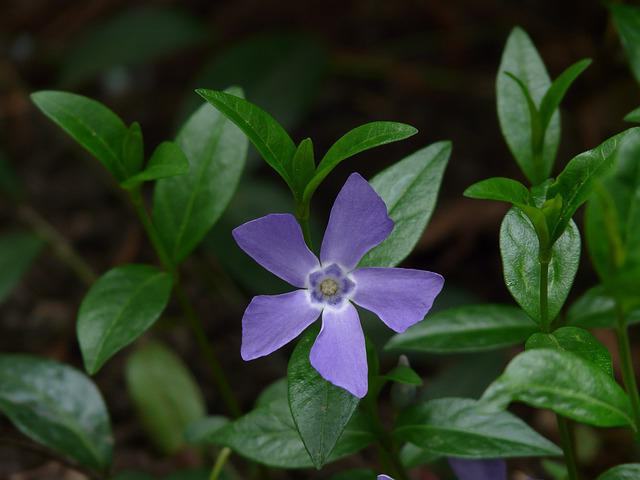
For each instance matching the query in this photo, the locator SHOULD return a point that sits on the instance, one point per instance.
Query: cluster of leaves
(302, 420)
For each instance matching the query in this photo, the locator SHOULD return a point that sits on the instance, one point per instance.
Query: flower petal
(275, 242)
(358, 222)
(401, 297)
(384, 477)
(271, 321)
(339, 353)
(478, 469)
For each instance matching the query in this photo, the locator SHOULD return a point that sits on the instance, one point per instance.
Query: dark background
(321, 68)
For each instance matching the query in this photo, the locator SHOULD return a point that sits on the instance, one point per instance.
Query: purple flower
(478, 469)
(358, 222)
(384, 477)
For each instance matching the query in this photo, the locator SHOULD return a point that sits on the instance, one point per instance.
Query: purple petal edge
(466, 469)
(339, 352)
(275, 241)
(401, 297)
(271, 321)
(357, 223)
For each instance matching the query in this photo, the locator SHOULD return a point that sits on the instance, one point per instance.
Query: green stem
(566, 438)
(58, 243)
(564, 426)
(545, 323)
(220, 461)
(626, 364)
(302, 215)
(195, 323)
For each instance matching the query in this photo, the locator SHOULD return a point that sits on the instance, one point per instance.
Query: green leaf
(519, 250)
(165, 394)
(364, 137)
(500, 189)
(629, 471)
(17, 252)
(167, 160)
(266, 134)
(576, 182)
(187, 206)
(466, 328)
(633, 116)
(412, 456)
(278, 391)
(303, 166)
(268, 435)
(596, 309)
(405, 375)
(57, 406)
(320, 410)
(409, 189)
(521, 59)
(89, 123)
(199, 431)
(457, 427)
(552, 98)
(136, 36)
(612, 217)
(627, 20)
(577, 341)
(124, 303)
(133, 148)
(562, 382)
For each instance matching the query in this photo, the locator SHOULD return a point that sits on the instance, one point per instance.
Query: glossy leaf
(364, 137)
(302, 166)
(135, 36)
(266, 134)
(268, 435)
(199, 431)
(629, 471)
(133, 148)
(89, 123)
(165, 394)
(167, 160)
(552, 98)
(466, 328)
(596, 309)
(612, 217)
(186, 207)
(457, 427)
(562, 382)
(633, 116)
(576, 182)
(405, 375)
(500, 189)
(577, 341)
(409, 189)
(519, 250)
(627, 21)
(17, 252)
(124, 303)
(413, 456)
(320, 410)
(57, 406)
(521, 59)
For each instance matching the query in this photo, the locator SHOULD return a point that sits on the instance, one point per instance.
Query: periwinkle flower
(467, 469)
(328, 286)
